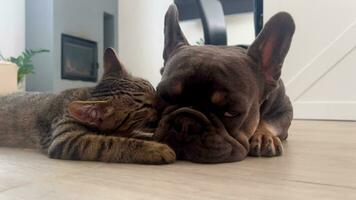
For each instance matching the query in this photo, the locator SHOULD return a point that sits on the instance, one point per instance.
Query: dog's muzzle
(188, 124)
(195, 136)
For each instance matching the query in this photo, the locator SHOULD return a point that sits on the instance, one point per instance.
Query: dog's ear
(173, 35)
(272, 44)
(112, 65)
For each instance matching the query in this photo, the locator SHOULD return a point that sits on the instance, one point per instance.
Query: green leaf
(24, 62)
(200, 42)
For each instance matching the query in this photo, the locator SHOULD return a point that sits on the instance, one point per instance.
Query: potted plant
(24, 64)
(8, 77)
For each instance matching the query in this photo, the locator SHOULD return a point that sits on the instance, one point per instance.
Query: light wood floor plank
(319, 163)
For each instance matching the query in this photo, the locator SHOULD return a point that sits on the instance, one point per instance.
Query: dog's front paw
(157, 153)
(264, 143)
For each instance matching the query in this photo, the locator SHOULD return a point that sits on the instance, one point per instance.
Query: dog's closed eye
(231, 114)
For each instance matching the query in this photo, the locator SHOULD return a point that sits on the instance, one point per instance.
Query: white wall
(317, 23)
(141, 36)
(12, 27)
(319, 70)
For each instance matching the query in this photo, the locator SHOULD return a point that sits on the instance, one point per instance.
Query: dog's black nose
(187, 128)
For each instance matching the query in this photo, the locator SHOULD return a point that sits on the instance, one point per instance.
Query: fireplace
(79, 59)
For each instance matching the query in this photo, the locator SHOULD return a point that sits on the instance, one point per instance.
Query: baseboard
(325, 110)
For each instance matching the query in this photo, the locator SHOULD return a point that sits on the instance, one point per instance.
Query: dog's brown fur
(229, 101)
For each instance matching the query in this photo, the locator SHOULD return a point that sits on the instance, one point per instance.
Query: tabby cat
(93, 124)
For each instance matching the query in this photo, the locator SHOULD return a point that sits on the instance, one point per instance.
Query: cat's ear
(112, 65)
(90, 112)
(272, 44)
(173, 35)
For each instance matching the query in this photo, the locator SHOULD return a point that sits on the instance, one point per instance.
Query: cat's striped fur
(94, 124)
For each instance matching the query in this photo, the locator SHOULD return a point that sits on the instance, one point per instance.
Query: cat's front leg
(84, 145)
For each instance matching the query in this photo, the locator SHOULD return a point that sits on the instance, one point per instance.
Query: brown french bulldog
(225, 102)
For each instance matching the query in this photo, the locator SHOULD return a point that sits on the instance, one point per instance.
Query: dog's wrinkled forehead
(191, 57)
(201, 73)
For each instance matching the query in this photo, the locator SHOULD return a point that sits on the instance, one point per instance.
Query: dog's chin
(211, 148)
(193, 137)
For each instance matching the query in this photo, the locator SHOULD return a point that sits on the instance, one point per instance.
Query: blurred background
(68, 38)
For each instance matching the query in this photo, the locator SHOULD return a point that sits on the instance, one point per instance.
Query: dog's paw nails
(265, 144)
(270, 151)
(255, 150)
(278, 146)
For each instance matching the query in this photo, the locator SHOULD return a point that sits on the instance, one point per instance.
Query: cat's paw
(157, 153)
(264, 143)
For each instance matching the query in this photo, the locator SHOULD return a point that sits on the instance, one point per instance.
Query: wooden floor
(319, 163)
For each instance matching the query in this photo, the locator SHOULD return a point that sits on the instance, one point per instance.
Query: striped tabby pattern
(94, 124)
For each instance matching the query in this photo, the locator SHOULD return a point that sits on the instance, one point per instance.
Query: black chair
(213, 19)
